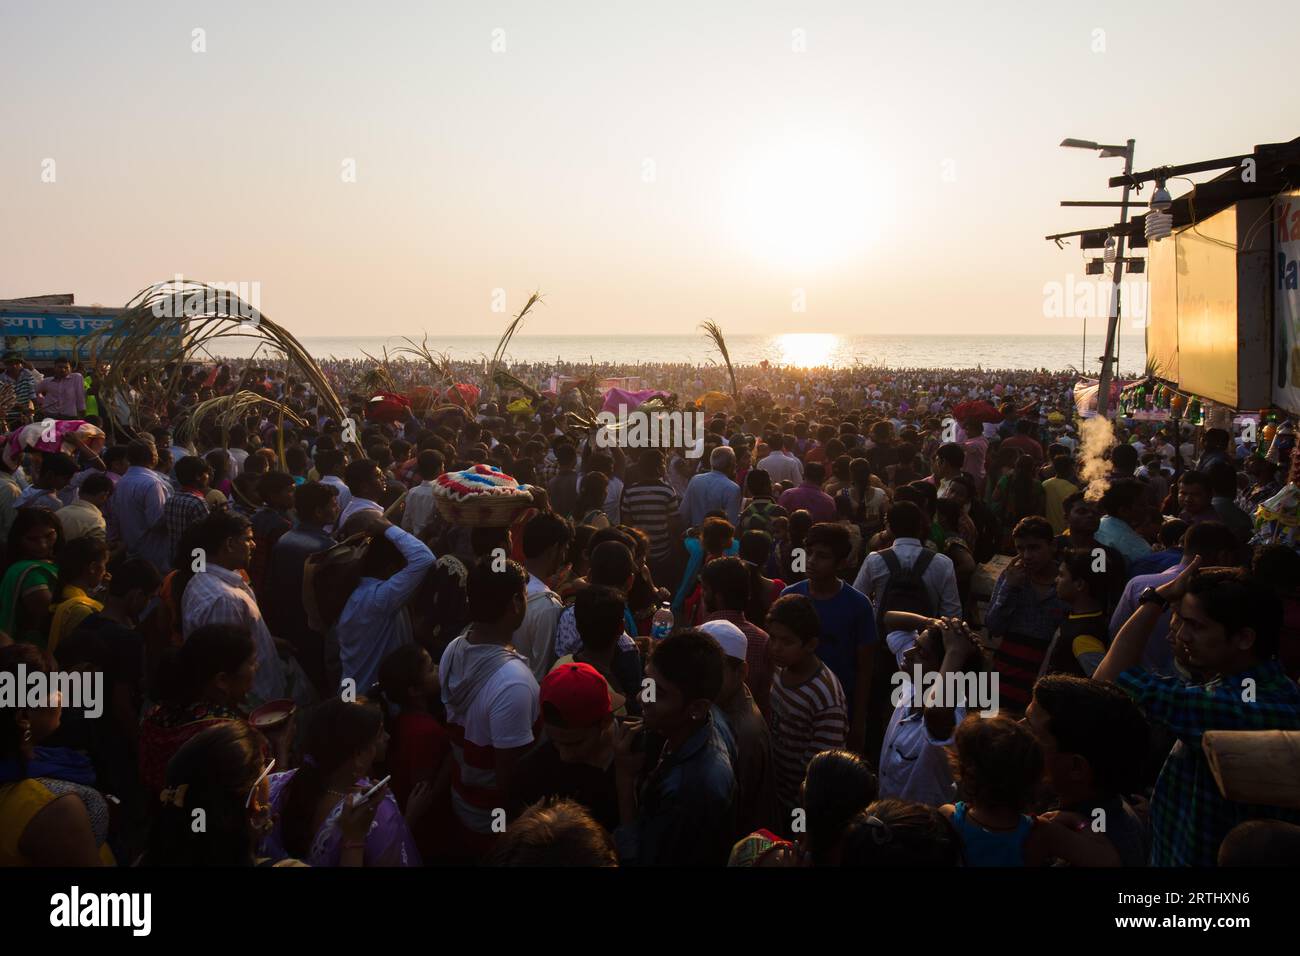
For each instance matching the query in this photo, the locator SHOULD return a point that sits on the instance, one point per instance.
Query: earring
(27, 732)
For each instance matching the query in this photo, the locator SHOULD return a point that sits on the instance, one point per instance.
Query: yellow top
(75, 607)
(19, 804)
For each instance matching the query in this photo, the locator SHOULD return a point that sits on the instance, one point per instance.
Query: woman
(223, 772)
(1019, 494)
(591, 500)
(28, 587)
(50, 812)
(869, 502)
(343, 742)
(835, 788)
(200, 685)
(219, 461)
(83, 567)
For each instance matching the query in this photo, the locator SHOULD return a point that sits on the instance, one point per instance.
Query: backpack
(328, 579)
(905, 590)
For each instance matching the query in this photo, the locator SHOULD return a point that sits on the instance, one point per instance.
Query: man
(1210, 541)
(724, 591)
(492, 702)
(808, 495)
(562, 490)
(63, 394)
(375, 620)
(546, 546)
(138, 503)
(1214, 449)
(1226, 624)
(1057, 489)
(218, 594)
(575, 761)
(317, 507)
(613, 566)
(781, 463)
(270, 521)
(1195, 492)
(1094, 741)
(19, 375)
(1124, 508)
(713, 490)
(683, 811)
(85, 516)
(650, 504)
(907, 526)
(365, 481)
(975, 449)
(56, 471)
(1223, 485)
(753, 766)
(329, 462)
(189, 505)
(419, 507)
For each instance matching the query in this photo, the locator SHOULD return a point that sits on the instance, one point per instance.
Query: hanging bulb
(1109, 254)
(1161, 201)
(1158, 225)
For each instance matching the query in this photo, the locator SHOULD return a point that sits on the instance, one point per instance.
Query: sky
(407, 167)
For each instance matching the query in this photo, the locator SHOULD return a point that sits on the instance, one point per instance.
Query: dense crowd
(662, 659)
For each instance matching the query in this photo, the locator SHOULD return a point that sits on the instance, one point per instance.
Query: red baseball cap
(579, 695)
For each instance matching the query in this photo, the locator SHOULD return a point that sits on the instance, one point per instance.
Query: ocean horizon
(804, 349)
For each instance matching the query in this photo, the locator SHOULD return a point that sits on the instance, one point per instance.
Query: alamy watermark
(652, 429)
(242, 300)
(73, 690)
(972, 690)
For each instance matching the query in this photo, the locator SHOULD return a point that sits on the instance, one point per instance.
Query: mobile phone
(363, 798)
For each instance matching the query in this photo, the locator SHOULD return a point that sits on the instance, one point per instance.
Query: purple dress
(388, 843)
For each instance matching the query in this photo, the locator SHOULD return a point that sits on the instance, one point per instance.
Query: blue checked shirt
(1189, 816)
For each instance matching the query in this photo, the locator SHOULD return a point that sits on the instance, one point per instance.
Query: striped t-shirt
(648, 505)
(805, 720)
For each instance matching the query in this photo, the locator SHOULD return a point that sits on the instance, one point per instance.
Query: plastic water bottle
(661, 625)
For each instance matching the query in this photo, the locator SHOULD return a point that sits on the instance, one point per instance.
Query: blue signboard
(44, 333)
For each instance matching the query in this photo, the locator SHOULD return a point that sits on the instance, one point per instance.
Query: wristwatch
(1152, 596)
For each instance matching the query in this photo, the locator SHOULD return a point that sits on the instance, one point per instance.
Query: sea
(804, 349)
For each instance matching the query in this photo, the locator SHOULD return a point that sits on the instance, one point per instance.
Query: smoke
(1096, 438)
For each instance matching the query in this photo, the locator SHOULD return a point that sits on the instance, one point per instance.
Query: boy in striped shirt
(807, 709)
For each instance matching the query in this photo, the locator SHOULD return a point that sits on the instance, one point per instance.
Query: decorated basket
(480, 497)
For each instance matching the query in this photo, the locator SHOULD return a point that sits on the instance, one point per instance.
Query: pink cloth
(618, 396)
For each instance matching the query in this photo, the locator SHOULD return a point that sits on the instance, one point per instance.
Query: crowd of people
(662, 659)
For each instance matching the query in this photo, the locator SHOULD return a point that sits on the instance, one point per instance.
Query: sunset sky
(646, 165)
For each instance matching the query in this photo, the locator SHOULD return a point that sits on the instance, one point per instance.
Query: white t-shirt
(913, 765)
(500, 717)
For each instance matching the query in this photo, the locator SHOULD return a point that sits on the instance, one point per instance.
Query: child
(807, 708)
(1080, 642)
(83, 566)
(998, 765)
(848, 621)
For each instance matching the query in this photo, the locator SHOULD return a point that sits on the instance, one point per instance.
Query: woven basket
(483, 511)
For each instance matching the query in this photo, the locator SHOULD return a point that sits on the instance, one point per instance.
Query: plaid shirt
(1189, 816)
(24, 392)
(182, 509)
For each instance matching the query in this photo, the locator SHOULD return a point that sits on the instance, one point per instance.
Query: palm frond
(714, 332)
(498, 356)
(231, 410)
(165, 325)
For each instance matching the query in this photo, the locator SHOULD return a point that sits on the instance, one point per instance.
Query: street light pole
(1112, 324)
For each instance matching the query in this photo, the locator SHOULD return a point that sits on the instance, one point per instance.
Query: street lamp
(1112, 325)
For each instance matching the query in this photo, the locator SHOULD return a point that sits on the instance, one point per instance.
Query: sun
(806, 349)
(804, 204)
